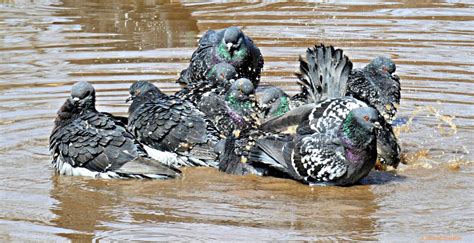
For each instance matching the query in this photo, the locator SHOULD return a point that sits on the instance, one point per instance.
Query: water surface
(46, 46)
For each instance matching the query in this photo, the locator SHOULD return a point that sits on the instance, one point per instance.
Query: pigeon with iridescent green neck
(338, 149)
(234, 110)
(273, 101)
(230, 46)
(327, 73)
(220, 80)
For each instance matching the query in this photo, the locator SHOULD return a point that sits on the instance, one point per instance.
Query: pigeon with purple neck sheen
(86, 142)
(230, 46)
(331, 64)
(329, 139)
(338, 151)
(327, 73)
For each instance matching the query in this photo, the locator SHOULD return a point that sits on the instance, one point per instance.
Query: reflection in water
(46, 46)
(144, 24)
(241, 205)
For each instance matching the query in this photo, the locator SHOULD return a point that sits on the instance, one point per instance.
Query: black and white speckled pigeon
(338, 148)
(327, 63)
(231, 46)
(377, 85)
(85, 142)
(162, 122)
(329, 140)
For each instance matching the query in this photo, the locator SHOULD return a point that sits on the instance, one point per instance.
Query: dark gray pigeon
(221, 78)
(162, 122)
(85, 142)
(230, 46)
(273, 101)
(234, 110)
(377, 85)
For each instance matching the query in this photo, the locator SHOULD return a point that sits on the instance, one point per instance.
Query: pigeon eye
(366, 118)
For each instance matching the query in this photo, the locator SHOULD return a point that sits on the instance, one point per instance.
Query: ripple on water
(47, 46)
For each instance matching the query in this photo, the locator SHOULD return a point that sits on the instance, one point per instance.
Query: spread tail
(324, 73)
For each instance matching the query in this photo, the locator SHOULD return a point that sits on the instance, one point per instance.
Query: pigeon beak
(129, 99)
(75, 99)
(229, 46)
(377, 125)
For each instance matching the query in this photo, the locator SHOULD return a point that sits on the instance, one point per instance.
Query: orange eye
(366, 118)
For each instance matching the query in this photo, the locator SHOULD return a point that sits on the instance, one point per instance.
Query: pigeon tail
(324, 73)
(232, 163)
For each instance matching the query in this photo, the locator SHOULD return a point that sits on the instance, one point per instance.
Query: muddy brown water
(47, 45)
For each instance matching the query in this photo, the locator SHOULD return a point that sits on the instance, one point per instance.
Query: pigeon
(166, 122)
(221, 79)
(338, 149)
(273, 101)
(234, 110)
(377, 85)
(327, 63)
(230, 46)
(330, 139)
(86, 142)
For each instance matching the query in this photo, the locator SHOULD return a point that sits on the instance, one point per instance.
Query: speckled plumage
(312, 141)
(169, 123)
(324, 149)
(377, 85)
(354, 83)
(86, 142)
(230, 46)
(233, 110)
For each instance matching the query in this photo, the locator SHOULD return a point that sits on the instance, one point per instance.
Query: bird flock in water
(333, 132)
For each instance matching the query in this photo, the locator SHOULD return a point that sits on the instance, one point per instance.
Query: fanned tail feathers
(324, 73)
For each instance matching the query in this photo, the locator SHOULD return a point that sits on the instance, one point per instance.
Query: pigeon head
(222, 73)
(384, 64)
(83, 95)
(143, 89)
(233, 38)
(275, 101)
(359, 126)
(241, 89)
(240, 93)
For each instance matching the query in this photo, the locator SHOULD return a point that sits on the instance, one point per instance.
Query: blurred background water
(47, 45)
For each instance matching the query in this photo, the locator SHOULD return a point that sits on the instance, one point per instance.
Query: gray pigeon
(326, 63)
(234, 110)
(377, 85)
(166, 122)
(85, 142)
(273, 101)
(338, 149)
(221, 78)
(230, 46)
(331, 139)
